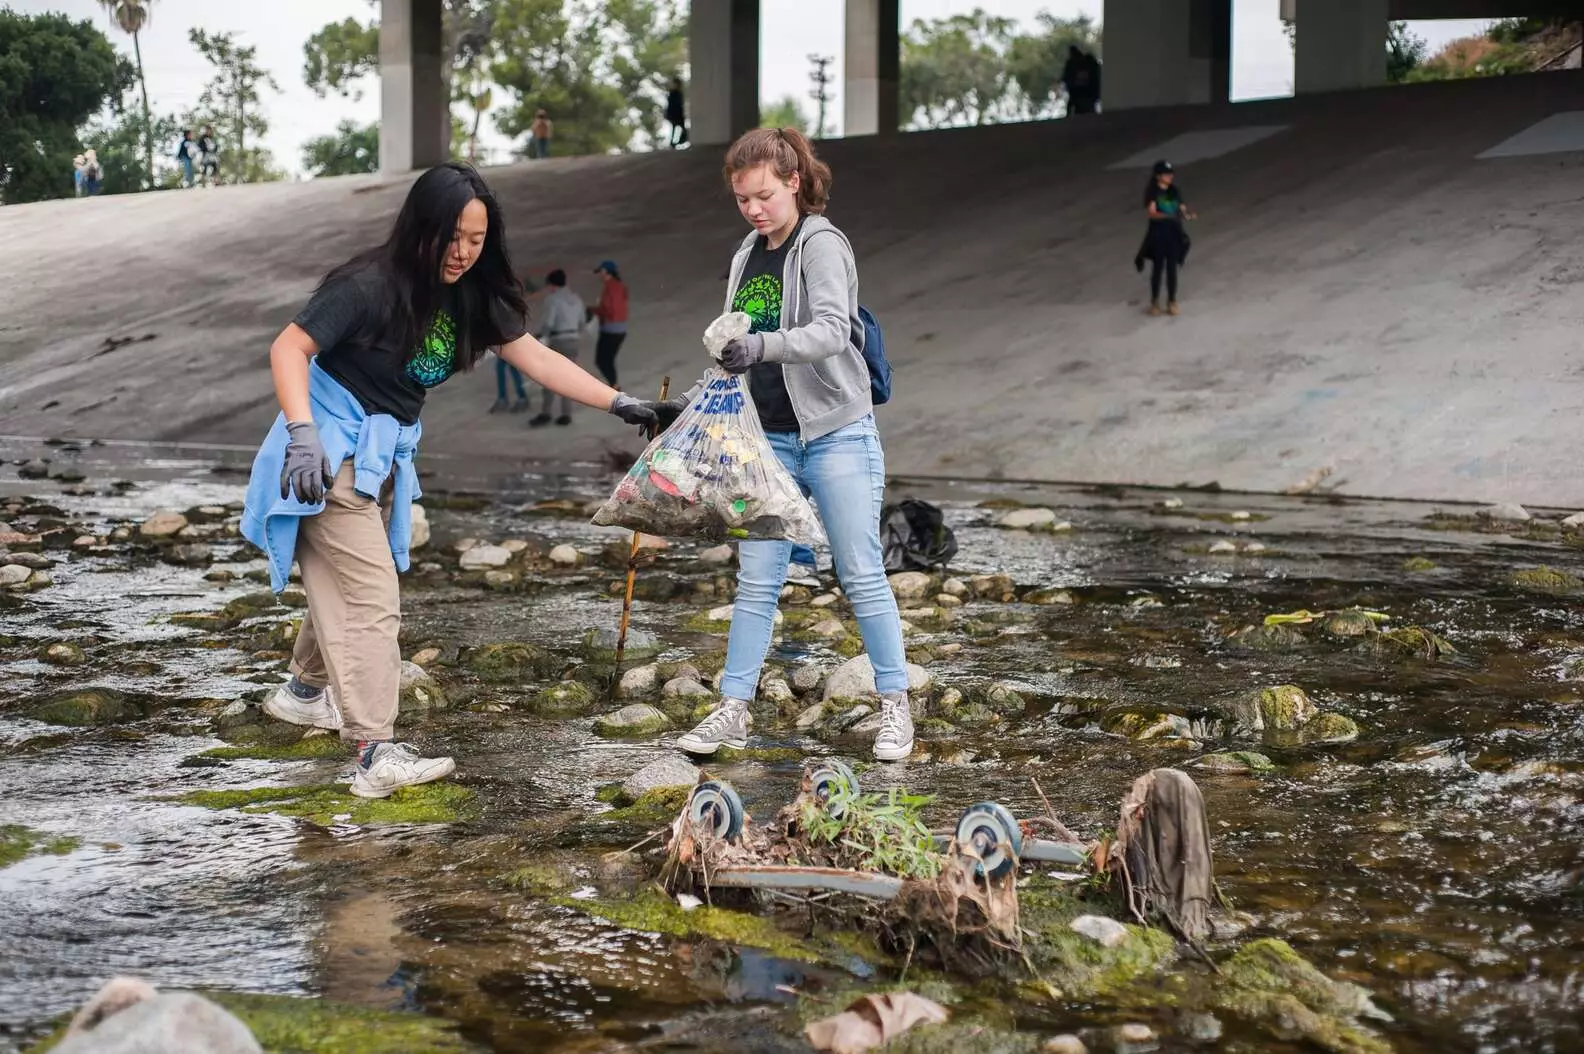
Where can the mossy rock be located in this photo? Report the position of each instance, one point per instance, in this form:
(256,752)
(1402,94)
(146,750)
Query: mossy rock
(1004,699)
(632,821)
(762,755)
(88,708)
(18,842)
(332,804)
(293,1025)
(652,913)
(563,699)
(1268,638)
(512,661)
(1080,967)
(310,749)
(208,621)
(657,806)
(849,647)
(420,695)
(538,880)
(1330,728)
(1547,580)
(1408,642)
(1269,983)
(702,623)
(636,721)
(1415,565)
(1237,762)
(1349,624)
(250,604)
(1146,724)
(1285,708)
(264,733)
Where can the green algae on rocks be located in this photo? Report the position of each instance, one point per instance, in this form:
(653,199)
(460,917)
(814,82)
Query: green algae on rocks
(18,842)
(510,661)
(1547,580)
(563,699)
(1078,966)
(311,748)
(1237,762)
(652,913)
(1269,983)
(86,708)
(330,804)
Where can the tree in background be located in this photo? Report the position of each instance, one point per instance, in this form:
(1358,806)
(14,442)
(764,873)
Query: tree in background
(231,102)
(785,112)
(980,68)
(339,56)
(1510,45)
(352,150)
(119,141)
(54,75)
(1404,52)
(132,16)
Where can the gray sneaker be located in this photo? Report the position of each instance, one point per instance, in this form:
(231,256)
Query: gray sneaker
(727,726)
(894,741)
(394,766)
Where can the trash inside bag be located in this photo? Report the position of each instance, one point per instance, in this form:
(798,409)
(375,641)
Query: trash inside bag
(712,474)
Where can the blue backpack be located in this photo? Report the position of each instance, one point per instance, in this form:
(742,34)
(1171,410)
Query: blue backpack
(875,358)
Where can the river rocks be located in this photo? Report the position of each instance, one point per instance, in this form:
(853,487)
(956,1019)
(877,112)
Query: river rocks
(855,679)
(1224,546)
(501,580)
(14,575)
(829,629)
(1064,1044)
(483,557)
(1004,699)
(636,720)
(189,554)
(1134,1033)
(1043,520)
(777,693)
(1414,642)
(1143,725)
(564,699)
(1284,708)
(86,708)
(807,680)
(719,556)
(1349,624)
(685,688)
(565,556)
(34,469)
(848,719)
(1269,983)
(638,682)
(1504,512)
(1237,762)
(722,614)
(911,585)
(1268,638)
(955,587)
(420,529)
(1416,565)
(992,587)
(162,525)
(63,654)
(1548,580)
(420,694)
(599,645)
(1108,933)
(31,561)
(1330,728)
(1047,597)
(670,771)
(810,717)
(511,661)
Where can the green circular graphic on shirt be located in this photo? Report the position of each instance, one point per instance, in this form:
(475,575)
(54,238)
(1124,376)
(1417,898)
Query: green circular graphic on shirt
(760,299)
(437,354)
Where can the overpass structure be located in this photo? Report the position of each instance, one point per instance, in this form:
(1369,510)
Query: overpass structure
(1157,53)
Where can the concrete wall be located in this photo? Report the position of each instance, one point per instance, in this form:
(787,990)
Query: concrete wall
(415,120)
(1166,52)
(723,50)
(871,68)
(1341,45)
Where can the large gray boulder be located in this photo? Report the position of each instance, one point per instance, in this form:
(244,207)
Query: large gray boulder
(855,679)
(129,1017)
(668,771)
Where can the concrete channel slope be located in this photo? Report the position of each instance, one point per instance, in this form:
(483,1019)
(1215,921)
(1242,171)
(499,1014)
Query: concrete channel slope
(1366,294)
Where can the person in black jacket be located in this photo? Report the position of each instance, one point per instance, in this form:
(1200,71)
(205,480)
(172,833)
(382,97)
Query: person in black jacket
(676,113)
(1166,240)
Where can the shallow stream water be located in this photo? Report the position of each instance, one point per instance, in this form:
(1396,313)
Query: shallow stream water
(1437,860)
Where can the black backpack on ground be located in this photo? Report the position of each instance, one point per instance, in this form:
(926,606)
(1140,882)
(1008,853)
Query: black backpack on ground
(915,537)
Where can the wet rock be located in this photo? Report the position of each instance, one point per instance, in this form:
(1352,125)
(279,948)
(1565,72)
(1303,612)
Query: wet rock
(86,708)
(955,587)
(420,694)
(1574,521)
(1047,597)
(1108,933)
(1135,1033)
(1407,642)
(501,580)
(1548,580)
(1064,1044)
(34,469)
(1199,1028)
(565,556)
(564,699)
(1044,520)
(634,721)
(855,679)
(420,529)
(1268,638)
(685,688)
(63,654)
(510,661)
(810,717)
(1284,708)
(1222,547)
(1330,728)
(14,575)
(719,556)
(829,629)
(220,576)
(777,693)
(1145,725)
(599,645)
(946,601)
(40,580)
(911,585)
(808,679)
(824,600)
(32,561)
(669,771)
(1418,565)
(162,525)
(189,554)
(721,614)
(849,718)
(1504,512)
(1004,699)
(1269,983)
(638,682)
(991,587)
(483,557)
(1236,762)
(1349,624)
(426,656)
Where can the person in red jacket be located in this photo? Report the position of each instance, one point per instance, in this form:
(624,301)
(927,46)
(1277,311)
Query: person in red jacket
(612,314)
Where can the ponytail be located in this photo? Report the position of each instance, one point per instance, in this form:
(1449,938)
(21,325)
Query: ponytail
(787,151)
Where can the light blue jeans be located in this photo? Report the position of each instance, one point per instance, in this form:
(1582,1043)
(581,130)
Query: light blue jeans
(844,472)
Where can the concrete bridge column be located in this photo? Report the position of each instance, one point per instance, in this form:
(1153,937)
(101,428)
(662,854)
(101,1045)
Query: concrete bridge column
(1341,44)
(1166,53)
(723,54)
(871,67)
(415,98)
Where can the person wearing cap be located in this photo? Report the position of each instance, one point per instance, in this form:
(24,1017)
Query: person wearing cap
(612,315)
(559,330)
(1166,241)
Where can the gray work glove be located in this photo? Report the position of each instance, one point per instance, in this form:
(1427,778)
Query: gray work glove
(307,470)
(743,353)
(669,410)
(635,412)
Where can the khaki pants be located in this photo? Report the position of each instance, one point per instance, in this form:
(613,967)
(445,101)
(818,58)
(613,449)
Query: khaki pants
(567,346)
(349,636)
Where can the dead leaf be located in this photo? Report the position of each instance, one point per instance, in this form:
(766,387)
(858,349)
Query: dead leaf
(873,1020)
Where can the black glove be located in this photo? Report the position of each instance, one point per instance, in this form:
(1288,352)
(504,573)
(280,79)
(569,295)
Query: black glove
(634,412)
(743,353)
(307,469)
(669,410)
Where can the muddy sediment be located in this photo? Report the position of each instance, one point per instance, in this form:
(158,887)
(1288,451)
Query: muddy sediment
(1394,783)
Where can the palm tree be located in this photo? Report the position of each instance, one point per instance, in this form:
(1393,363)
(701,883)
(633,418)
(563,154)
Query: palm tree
(132,16)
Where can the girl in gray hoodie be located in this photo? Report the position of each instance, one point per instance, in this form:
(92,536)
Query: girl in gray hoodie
(795,276)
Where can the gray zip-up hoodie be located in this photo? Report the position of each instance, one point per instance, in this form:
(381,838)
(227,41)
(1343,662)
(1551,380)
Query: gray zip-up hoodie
(820,342)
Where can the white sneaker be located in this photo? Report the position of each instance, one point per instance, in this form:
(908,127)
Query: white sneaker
(894,741)
(727,726)
(319,712)
(803,575)
(397,765)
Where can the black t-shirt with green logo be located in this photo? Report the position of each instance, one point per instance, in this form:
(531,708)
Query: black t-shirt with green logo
(759,295)
(344,320)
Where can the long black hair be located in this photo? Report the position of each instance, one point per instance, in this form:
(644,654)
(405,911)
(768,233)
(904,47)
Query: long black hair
(487,299)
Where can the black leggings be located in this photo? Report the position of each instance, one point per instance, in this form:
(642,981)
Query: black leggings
(605,350)
(1169,262)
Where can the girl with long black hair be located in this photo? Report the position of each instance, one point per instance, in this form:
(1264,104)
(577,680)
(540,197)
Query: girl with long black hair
(333,484)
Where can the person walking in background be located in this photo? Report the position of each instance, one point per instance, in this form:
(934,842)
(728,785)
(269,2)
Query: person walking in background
(1166,240)
(79,165)
(563,321)
(1081,77)
(503,369)
(541,130)
(186,154)
(676,113)
(209,157)
(612,315)
(91,172)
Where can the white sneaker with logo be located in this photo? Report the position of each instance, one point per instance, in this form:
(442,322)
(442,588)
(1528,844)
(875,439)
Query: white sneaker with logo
(321,711)
(727,726)
(394,766)
(894,741)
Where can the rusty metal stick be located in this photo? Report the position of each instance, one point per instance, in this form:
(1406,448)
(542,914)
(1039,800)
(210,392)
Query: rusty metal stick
(632,564)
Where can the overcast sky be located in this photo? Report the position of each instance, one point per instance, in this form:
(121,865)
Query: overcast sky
(791,30)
